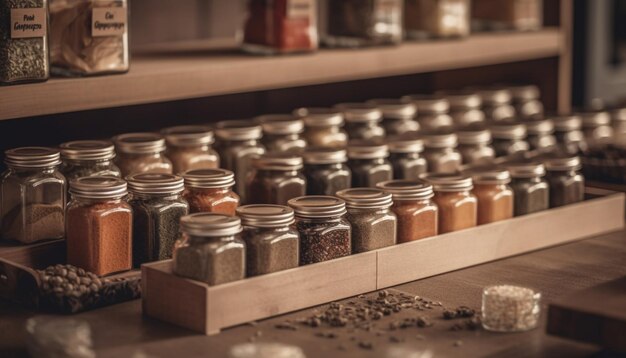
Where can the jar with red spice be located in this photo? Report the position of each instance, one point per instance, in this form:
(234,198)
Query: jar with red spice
(210,190)
(280,26)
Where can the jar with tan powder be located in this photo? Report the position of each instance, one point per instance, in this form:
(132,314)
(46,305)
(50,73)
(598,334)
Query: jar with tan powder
(458,207)
(189,148)
(141,153)
(495,197)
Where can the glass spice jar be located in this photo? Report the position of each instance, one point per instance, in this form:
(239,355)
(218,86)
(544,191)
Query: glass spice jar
(326,171)
(527,102)
(211,249)
(89,38)
(458,207)
(497,103)
(440,152)
(323,127)
(495,197)
(363,121)
(158,205)
(368,162)
(33,195)
(325,233)
(498,15)
(432,111)
(405,156)
(416,212)
(597,127)
(87,158)
(349,23)
(282,133)
(272,241)
(238,143)
(465,107)
(509,138)
(426,19)
(618,122)
(99,225)
(398,115)
(568,133)
(540,134)
(189,148)
(280,26)
(374,225)
(210,190)
(141,153)
(276,179)
(567,185)
(530,190)
(23,41)
(475,145)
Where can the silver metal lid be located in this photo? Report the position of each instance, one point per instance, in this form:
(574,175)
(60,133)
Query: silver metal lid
(562,163)
(103,187)
(539,127)
(365,198)
(440,139)
(320,117)
(395,108)
(153,183)
(360,112)
(449,182)
(278,161)
(317,206)
(139,143)
(88,150)
(429,104)
(280,124)
(567,123)
(367,149)
(405,143)
(32,157)
(181,136)
(473,135)
(462,99)
(266,216)
(489,175)
(325,155)
(407,189)
(526,169)
(524,93)
(508,130)
(495,96)
(209,178)
(238,130)
(595,119)
(210,225)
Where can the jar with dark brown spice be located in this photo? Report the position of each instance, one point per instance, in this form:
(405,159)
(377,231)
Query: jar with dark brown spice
(277,178)
(363,121)
(210,191)
(86,158)
(189,148)
(326,171)
(282,133)
(141,153)
(405,156)
(368,161)
(323,127)
(398,115)
(567,185)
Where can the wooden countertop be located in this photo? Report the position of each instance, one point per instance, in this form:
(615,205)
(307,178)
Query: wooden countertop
(121,331)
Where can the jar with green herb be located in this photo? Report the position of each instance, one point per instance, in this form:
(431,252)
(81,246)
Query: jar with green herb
(87,158)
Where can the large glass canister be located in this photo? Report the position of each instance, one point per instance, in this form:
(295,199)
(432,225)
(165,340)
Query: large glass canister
(189,148)
(369,163)
(440,151)
(405,156)
(398,115)
(509,138)
(530,190)
(465,107)
(458,207)
(527,102)
(363,121)
(323,127)
(326,171)
(475,145)
(497,103)
(568,133)
(427,19)
(276,179)
(432,111)
(498,15)
(567,185)
(33,196)
(540,134)
(141,153)
(282,133)
(210,190)
(86,158)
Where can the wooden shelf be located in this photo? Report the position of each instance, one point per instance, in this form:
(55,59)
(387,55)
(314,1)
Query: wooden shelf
(168,76)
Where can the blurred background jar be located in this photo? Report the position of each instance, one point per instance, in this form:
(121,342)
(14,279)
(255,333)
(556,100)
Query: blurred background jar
(282,133)
(363,121)
(277,178)
(475,145)
(141,153)
(497,103)
(568,133)
(498,15)
(440,151)
(509,138)
(189,148)
(428,19)
(405,156)
(326,171)
(540,134)
(323,127)
(597,127)
(432,111)
(567,185)
(398,115)
(368,161)
(530,189)
(465,107)
(618,121)
(527,101)
(86,158)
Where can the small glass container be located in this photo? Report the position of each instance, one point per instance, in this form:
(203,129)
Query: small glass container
(405,156)
(238,144)
(498,15)
(567,185)
(272,241)
(141,153)
(325,233)
(210,190)
(597,128)
(374,225)
(527,102)
(497,103)
(540,134)
(440,152)
(465,107)
(24,41)
(363,121)
(495,197)
(280,26)
(458,207)
(326,171)
(475,145)
(568,133)
(368,161)
(427,19)
(530,190)
(189,148)
(99,225)
(509,138)
(417,213)
(277,178)
(398,115)
(348,23)
(87,158)
(33,195)
(89,38)
(323,127)
(211,250)
(508,308)
(282,133)
(158,205)
(432,111)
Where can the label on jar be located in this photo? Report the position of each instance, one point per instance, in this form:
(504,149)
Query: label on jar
(108,21)
(27,23)
(299,8)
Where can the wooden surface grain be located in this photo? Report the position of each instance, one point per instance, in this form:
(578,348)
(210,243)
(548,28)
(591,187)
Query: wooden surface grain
(121,330)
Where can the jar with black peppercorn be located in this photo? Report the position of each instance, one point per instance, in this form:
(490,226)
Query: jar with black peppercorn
(363,121)
(323,127)
(405,156)
(432,111)
(282,133)
(567,185)
(475,145)
(141,153)
(276,179)
(440,151)
(398,115)
(86,158)
(530,190)
(368,161)
(509,138)
(210,190)
(325,233)
(189,148)
(326,171)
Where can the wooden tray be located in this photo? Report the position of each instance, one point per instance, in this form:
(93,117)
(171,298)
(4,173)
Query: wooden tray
(208,309)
